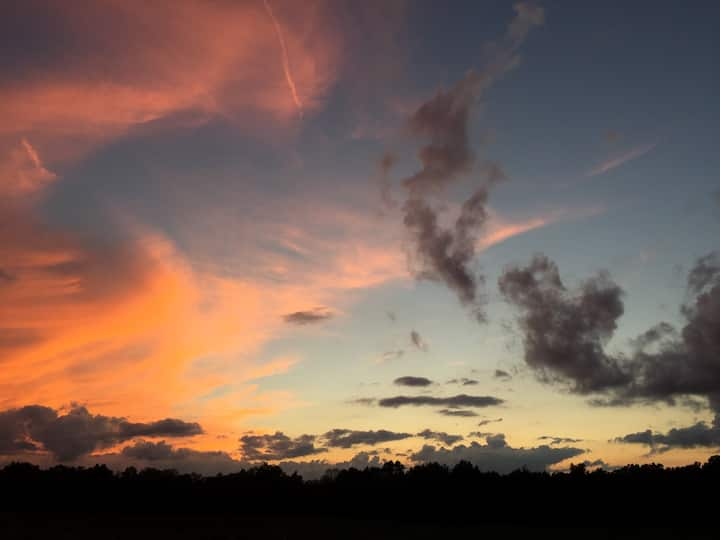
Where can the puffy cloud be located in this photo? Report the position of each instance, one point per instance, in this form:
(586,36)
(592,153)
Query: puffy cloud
(452,402)
(346,438)
(409,380)
(699,435)
(497,455)
(77,433)
(312,316)
(440,436)
(565,333)
(271,447)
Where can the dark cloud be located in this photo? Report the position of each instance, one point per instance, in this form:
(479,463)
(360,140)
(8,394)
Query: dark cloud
(445,254)
(457,412)
(565,333)
(271,447)
(652,336)
(417,340)
(77,433)
(596,463)
(312,470)
(497,455)
(500,374)
(162,451)
(312,316)
(412,381)
(489,421)
(440,436)
(559,440)
(464,381)
(452,402)
(699,435)
(346,438)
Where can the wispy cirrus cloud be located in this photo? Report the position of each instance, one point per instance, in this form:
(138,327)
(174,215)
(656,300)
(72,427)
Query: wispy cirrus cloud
(620,159)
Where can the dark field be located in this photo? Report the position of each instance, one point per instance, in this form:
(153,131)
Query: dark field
(426,501)
(68,526)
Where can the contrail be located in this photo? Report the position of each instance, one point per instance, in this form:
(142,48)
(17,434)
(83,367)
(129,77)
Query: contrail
(286,63)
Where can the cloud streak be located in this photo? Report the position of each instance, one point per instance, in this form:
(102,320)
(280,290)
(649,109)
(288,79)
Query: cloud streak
(452,402)
(285,59)
(615,162)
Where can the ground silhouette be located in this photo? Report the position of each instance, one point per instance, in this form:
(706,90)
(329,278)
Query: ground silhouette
(390,501)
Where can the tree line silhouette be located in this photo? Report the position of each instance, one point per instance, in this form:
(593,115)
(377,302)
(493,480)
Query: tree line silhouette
(644,495)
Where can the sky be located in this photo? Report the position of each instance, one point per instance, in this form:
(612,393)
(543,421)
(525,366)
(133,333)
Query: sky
(334,233)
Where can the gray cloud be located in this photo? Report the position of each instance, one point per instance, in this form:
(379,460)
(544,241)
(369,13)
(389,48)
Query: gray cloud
(559,440)
(497,455)
(417,340)
(597,463)
(271,447)
(452,402)
(67,437)
(457,412)
(442,254)
(699,435)
(312,470)
(409,380)
(312,316)
(564,331)
(501,374)
(346,438)
(440,436)
(489,421)
(565,334)
(162,451)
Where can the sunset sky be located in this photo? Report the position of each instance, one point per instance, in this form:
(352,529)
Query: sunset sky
(341,232)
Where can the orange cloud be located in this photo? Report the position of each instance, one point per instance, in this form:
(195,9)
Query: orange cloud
(118,63)
(501,229)
(135,328)
(22,172)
